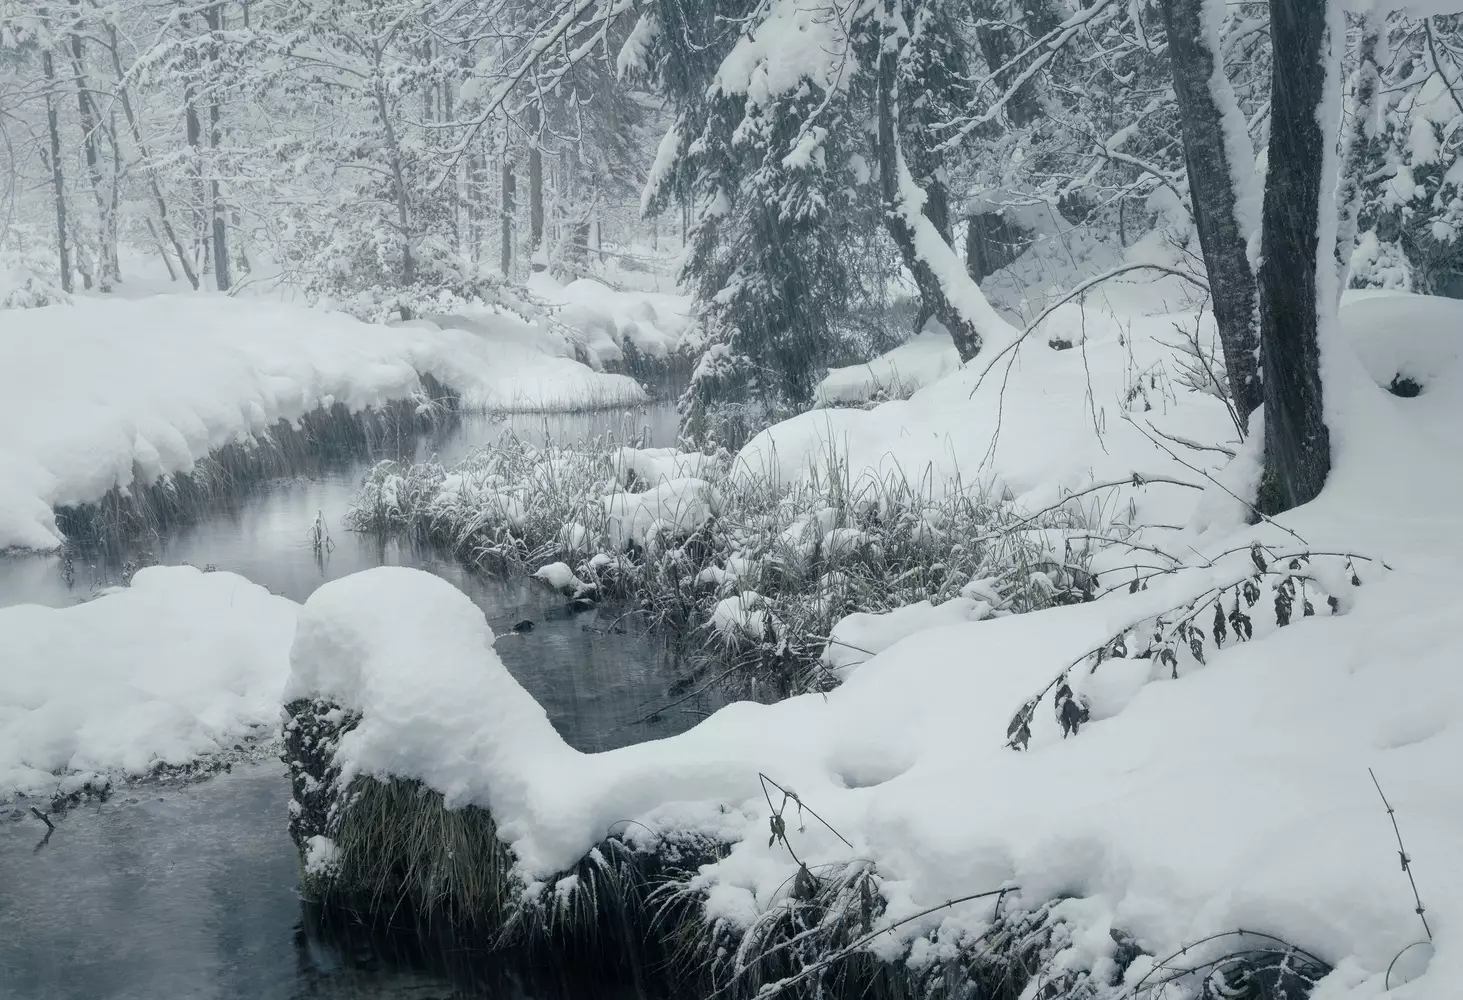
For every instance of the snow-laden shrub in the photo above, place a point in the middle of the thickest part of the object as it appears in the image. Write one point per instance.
(29, 275)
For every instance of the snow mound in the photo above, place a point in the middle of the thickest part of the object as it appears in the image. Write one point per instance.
(657, 465)
(859, 636)
(92, 390)
(513, 365)
(605, 320)
(677, 505)
(179, 665)
(923, 360)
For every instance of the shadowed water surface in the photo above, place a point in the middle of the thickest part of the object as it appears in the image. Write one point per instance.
(190, 892)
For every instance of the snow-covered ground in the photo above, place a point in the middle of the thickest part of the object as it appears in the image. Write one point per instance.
(90, 390)
(1203, 795)
(180, 665)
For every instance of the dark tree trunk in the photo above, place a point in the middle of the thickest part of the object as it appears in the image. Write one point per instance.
(58, 181)
(1297, 443)
(990, 244)
(535, 189)
(901, 229)
(213, 16)
(510, 187)
(1215, 200)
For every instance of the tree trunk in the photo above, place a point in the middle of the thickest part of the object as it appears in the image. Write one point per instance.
(162, 251)
(510, 185)
(1360, 132)
(58, 182)
(90, 127)
(213, 17)
(935, 266)
(156, 189)
(398, 182)
(1297, 443)
(1223, 215)
(535, 190)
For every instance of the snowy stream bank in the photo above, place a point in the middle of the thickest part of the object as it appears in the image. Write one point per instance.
(105, 396)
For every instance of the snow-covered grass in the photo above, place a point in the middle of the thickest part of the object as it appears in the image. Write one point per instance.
(1165, 798)
(753, 575)
(106, 395)
(178, 666)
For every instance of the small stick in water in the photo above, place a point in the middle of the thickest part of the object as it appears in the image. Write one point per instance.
(50, 827)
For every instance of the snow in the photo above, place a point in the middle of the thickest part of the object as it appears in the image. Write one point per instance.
(658, 465)
(322, 856)
(181, 664)
(604, 320)
(678, 505)
(559, 576)
(924, 359)
(91, 392)
(1022, 423)
(741, 614)
(861, 635)
(1233, 795)
(795, 43)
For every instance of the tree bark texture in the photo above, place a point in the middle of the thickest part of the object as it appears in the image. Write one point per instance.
(535, 188)
(58, 181)
(1297, 443)
(932, 293)
(1214, 200)
(510, 188)
(1359, 135)
(90, 127)
(213, 17)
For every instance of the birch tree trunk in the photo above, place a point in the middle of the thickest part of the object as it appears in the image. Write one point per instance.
(1212, 130)
(1297, 442)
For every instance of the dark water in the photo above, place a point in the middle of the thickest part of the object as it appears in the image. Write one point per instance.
(595, 674)
(168, 892)
(190, 893)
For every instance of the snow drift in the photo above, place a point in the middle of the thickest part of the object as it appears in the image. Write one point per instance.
(91, 391)
(180, 665)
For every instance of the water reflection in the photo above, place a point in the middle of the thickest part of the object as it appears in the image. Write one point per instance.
(597, 675)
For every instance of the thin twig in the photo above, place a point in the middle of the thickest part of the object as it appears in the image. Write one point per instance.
(1257, 511)
(52, 826)
(1402, 854)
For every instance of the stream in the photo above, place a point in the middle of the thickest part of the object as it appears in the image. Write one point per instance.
(181, 891)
